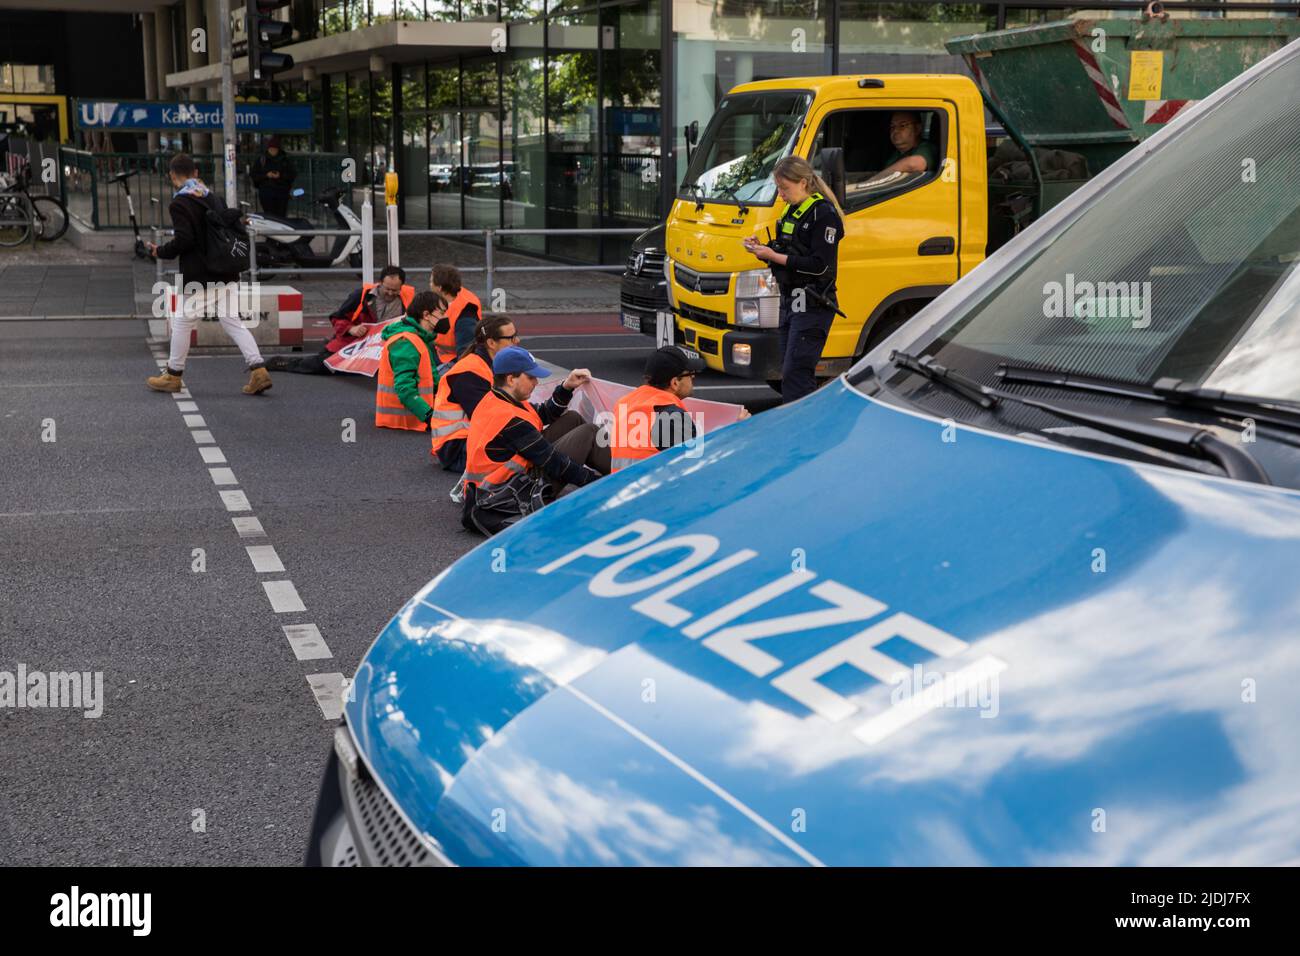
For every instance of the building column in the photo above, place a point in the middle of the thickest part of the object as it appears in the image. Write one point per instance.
(163, 50)
(213, 93)
(150, 68)
(195, 18)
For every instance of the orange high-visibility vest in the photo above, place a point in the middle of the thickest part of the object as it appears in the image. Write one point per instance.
(449, 419)
(408, 293)
(389, 410)
(493, 414)
(446, 341)
(631, 432)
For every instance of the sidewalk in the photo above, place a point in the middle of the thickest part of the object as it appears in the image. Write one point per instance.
(60, 280)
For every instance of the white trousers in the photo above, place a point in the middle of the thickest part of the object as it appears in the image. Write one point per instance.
(212, 302)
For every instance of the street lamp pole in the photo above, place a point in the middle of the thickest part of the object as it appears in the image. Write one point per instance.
(227, 101)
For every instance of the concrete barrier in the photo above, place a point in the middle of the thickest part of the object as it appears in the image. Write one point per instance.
(273, 315)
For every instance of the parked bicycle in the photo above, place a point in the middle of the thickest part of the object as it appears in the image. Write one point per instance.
(48, 215)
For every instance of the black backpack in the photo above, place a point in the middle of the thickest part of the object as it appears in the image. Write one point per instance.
(225, 247)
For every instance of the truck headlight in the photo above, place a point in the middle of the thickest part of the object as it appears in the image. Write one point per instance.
(758, 299)
(755, 284)
(668, 280)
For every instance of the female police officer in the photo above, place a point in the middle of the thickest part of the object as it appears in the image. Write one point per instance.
(803, 258)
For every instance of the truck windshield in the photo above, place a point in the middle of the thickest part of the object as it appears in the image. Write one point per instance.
(749, 133)
(1187, 267)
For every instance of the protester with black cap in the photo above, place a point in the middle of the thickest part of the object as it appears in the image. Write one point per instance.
(520, 456)
(653, 417)
(273, 174)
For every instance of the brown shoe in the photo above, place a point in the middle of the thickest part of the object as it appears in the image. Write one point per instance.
(259, 380)
(165, 381)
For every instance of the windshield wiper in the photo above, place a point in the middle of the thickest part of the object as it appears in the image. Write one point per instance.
(694, 190)
(1236, 462)
(731, 191)
(1170, 391)
(926, 367)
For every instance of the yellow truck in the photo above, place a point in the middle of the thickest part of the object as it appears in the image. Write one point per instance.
(1085, 91)
(907, 235)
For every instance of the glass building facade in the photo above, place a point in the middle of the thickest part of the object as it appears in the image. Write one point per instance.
(576, 120)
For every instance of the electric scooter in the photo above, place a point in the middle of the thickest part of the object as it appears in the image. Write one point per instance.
(141, 251)
(278, 243)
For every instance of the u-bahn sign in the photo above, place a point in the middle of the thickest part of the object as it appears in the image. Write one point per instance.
(143, 115)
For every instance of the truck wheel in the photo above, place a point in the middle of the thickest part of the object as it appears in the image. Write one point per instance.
(891, 320)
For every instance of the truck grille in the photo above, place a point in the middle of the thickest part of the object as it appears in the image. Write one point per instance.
(705, 283)
(717, 320)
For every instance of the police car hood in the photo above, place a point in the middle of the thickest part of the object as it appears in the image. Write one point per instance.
(829, 635)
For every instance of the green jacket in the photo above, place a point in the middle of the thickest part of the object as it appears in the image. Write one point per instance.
(405, 361)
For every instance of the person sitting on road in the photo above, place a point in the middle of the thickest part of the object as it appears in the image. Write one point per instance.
(652, 418)
(520, 456)
(370, 303)
(911, 154)
(463, 311)
(462, 387)
(408, 376)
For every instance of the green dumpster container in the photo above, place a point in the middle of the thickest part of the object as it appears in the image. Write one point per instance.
(1099, 86)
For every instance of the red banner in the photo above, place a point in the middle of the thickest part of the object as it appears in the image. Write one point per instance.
(362, 356)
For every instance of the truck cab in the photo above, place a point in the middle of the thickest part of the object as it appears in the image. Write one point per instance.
(908, 236)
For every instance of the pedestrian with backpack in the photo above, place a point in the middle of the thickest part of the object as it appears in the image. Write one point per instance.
(207, 242)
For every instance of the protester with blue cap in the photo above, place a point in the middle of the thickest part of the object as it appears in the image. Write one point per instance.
(520, 456)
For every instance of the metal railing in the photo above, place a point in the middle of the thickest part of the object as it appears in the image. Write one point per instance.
(489, 236)
(98, 203)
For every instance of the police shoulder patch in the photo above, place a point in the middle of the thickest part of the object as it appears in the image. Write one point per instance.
(830, 234)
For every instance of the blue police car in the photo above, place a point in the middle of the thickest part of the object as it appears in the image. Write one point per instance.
(1018, 589)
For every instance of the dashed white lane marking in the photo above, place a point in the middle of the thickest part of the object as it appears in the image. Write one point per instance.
(264, 558)
(184, 393)
(235, 501)
(203, 438)
(187, 406)
(222, 476)
(195, 421)
(212, 455)
(283, 597)
(249, 527)
(328, 689)
(306, 642)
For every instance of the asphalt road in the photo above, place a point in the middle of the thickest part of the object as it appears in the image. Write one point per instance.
(211, 741)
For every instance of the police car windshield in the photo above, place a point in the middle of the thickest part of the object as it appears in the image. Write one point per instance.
(734, 158)
(1187, 267)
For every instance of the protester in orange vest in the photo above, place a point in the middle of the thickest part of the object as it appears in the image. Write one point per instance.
(520, 456)
(463, 386)
(463, 312)
(408, 375)
(372, 303)
(652, 417)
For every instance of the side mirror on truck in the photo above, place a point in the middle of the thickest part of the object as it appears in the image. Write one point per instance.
(831, 160)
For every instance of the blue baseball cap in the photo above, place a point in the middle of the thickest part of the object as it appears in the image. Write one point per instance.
(514, 360)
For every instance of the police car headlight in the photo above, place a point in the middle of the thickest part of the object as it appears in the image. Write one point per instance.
(756, 284)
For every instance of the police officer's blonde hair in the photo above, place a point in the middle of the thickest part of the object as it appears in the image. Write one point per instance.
(796, 169)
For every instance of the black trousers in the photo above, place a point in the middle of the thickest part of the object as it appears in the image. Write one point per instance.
(801, 336)
(274, 201)
(313, 364)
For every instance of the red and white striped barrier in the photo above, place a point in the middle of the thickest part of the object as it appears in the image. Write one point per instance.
(272, 313)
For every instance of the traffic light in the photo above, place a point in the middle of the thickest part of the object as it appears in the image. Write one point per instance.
(263, 34)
